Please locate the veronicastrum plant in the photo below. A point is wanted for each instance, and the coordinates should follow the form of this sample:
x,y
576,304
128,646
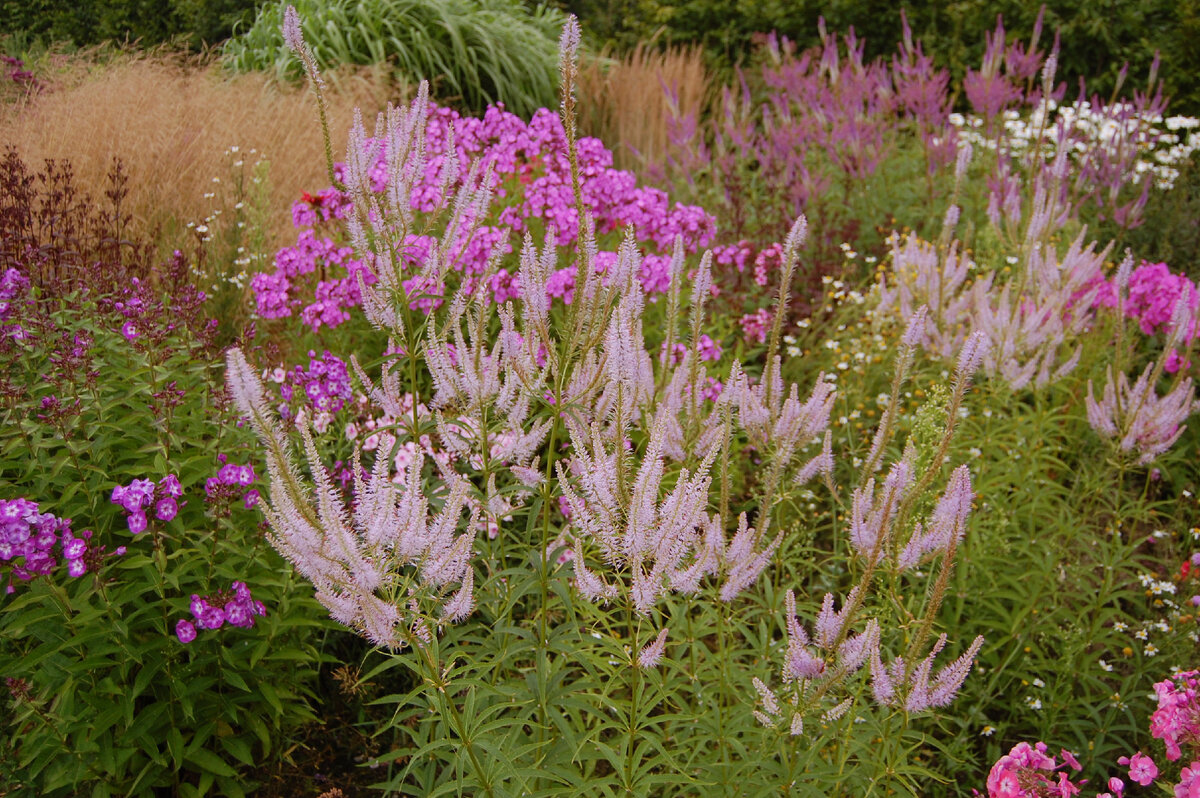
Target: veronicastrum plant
x,y
617,622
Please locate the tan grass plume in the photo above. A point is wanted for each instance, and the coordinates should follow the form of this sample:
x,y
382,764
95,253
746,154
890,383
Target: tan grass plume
x,y
172,124
624,101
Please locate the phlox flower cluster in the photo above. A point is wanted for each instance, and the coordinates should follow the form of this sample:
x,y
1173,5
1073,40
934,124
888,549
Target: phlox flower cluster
x,y
231,484
1153,293
141,494
318,391
707,349
756,325
1030,772
145,318
531,175
234,606
1176,721
32,543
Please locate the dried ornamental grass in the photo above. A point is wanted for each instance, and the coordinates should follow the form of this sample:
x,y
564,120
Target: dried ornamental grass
x,y
628,101
172,125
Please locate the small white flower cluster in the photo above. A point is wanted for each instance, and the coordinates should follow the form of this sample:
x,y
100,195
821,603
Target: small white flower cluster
x,y
1161,144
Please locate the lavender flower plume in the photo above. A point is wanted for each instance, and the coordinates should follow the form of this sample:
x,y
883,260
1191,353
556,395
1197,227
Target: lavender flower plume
x,y
743,561
963,161
914,328
947,523
796,236
293,37
971,356
569,41
871,517
893,684
652,653
1144,423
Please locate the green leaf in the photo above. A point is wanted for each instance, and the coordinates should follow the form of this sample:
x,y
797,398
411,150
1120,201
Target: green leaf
x,y
208,762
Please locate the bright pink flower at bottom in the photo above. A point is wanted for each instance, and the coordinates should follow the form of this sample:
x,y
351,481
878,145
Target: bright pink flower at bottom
x,y
1189,782
1141,768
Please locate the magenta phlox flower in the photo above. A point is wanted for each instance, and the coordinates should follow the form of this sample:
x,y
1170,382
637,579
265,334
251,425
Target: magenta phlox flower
x,y
185,631
1176,721
1141,768
1030,772
1189,782
33,543
166,509
137,522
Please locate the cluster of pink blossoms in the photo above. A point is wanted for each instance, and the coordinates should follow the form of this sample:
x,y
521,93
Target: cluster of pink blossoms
x,y
532,174
1154,291
1029,772
234,606
32,543
231,484
141,493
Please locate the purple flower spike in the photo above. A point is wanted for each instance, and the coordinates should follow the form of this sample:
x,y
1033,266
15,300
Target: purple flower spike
x,y
185,631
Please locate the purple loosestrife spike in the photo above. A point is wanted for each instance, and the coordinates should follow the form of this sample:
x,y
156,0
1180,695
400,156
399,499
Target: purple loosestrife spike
x,y
652,653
